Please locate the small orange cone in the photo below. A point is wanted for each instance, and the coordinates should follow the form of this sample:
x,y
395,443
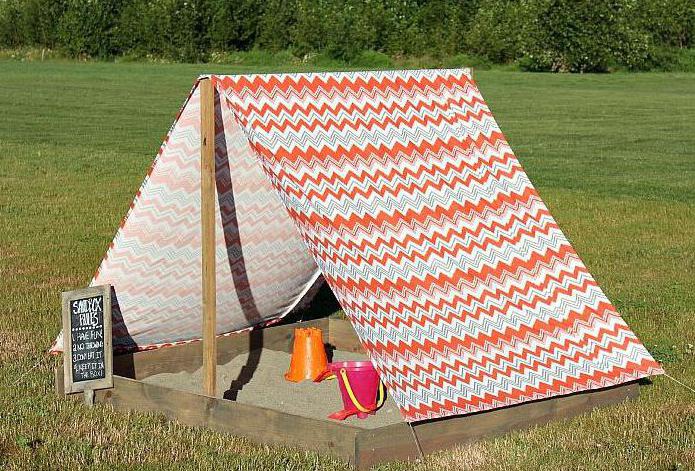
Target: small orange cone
x,y
308,355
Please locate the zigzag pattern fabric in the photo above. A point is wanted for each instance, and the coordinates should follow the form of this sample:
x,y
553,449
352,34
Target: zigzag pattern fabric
x,y
457,279
154,261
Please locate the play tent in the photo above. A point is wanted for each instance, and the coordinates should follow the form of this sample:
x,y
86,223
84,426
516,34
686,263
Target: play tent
x,y
400,189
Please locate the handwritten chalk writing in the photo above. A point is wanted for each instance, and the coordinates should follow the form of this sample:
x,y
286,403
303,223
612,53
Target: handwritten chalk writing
x,y
87,334
88,310
77,357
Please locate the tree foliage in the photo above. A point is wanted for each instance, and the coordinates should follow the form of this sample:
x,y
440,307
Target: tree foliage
x,y
556,35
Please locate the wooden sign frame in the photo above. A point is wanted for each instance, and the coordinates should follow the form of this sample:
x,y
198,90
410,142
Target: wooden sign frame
x,y
100,383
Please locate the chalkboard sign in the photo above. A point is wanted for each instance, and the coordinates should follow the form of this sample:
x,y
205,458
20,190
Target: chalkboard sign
x,y
88,357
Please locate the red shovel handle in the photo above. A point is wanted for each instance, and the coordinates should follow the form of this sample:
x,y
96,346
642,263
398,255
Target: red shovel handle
x,y
327,374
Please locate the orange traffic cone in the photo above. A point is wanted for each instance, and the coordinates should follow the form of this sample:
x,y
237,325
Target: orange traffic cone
x,y
308,355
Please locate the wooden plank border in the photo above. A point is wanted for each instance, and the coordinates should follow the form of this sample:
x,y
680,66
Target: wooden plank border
x,y
259,424
188,357
361,447
395,442
342,336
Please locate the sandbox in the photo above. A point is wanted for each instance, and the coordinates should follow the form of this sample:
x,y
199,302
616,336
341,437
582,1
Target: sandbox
x,y
266,387
256,402
248,395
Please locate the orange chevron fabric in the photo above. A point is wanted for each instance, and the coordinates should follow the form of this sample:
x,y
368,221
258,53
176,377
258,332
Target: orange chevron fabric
x,y
457,279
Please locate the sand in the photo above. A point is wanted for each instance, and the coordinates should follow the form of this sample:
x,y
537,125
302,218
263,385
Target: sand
x,y
266,386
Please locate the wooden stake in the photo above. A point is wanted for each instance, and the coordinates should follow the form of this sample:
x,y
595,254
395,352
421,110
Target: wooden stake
x,y
207,218
88,395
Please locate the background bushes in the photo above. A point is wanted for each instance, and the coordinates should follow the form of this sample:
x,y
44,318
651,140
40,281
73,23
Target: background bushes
x,y
584,36
500,28
542,35
89,27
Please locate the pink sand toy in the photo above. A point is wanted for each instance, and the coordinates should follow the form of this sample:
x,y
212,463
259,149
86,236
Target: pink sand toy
x,y
359,384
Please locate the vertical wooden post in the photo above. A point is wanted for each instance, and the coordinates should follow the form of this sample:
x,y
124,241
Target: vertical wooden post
x,y
207,210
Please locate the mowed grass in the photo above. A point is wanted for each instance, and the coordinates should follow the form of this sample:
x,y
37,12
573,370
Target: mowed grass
x,y
612,155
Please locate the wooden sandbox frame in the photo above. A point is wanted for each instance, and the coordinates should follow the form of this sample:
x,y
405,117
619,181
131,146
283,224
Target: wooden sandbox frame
x,y
359,446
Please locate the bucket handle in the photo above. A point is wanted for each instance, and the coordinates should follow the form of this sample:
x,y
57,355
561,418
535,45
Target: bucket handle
x,y
354,400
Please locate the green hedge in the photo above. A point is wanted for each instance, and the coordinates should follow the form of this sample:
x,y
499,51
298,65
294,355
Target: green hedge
x,y
544,35
586,36
173,29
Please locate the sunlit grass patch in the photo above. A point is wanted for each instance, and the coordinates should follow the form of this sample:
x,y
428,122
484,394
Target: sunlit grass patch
x,y
611,155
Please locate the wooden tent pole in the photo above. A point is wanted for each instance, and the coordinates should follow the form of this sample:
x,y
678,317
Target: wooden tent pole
x,y
207,218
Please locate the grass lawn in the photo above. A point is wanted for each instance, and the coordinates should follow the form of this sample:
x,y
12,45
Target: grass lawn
x,y
612,155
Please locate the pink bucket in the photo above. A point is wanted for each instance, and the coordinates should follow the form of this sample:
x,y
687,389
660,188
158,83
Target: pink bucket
x,y
360,388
